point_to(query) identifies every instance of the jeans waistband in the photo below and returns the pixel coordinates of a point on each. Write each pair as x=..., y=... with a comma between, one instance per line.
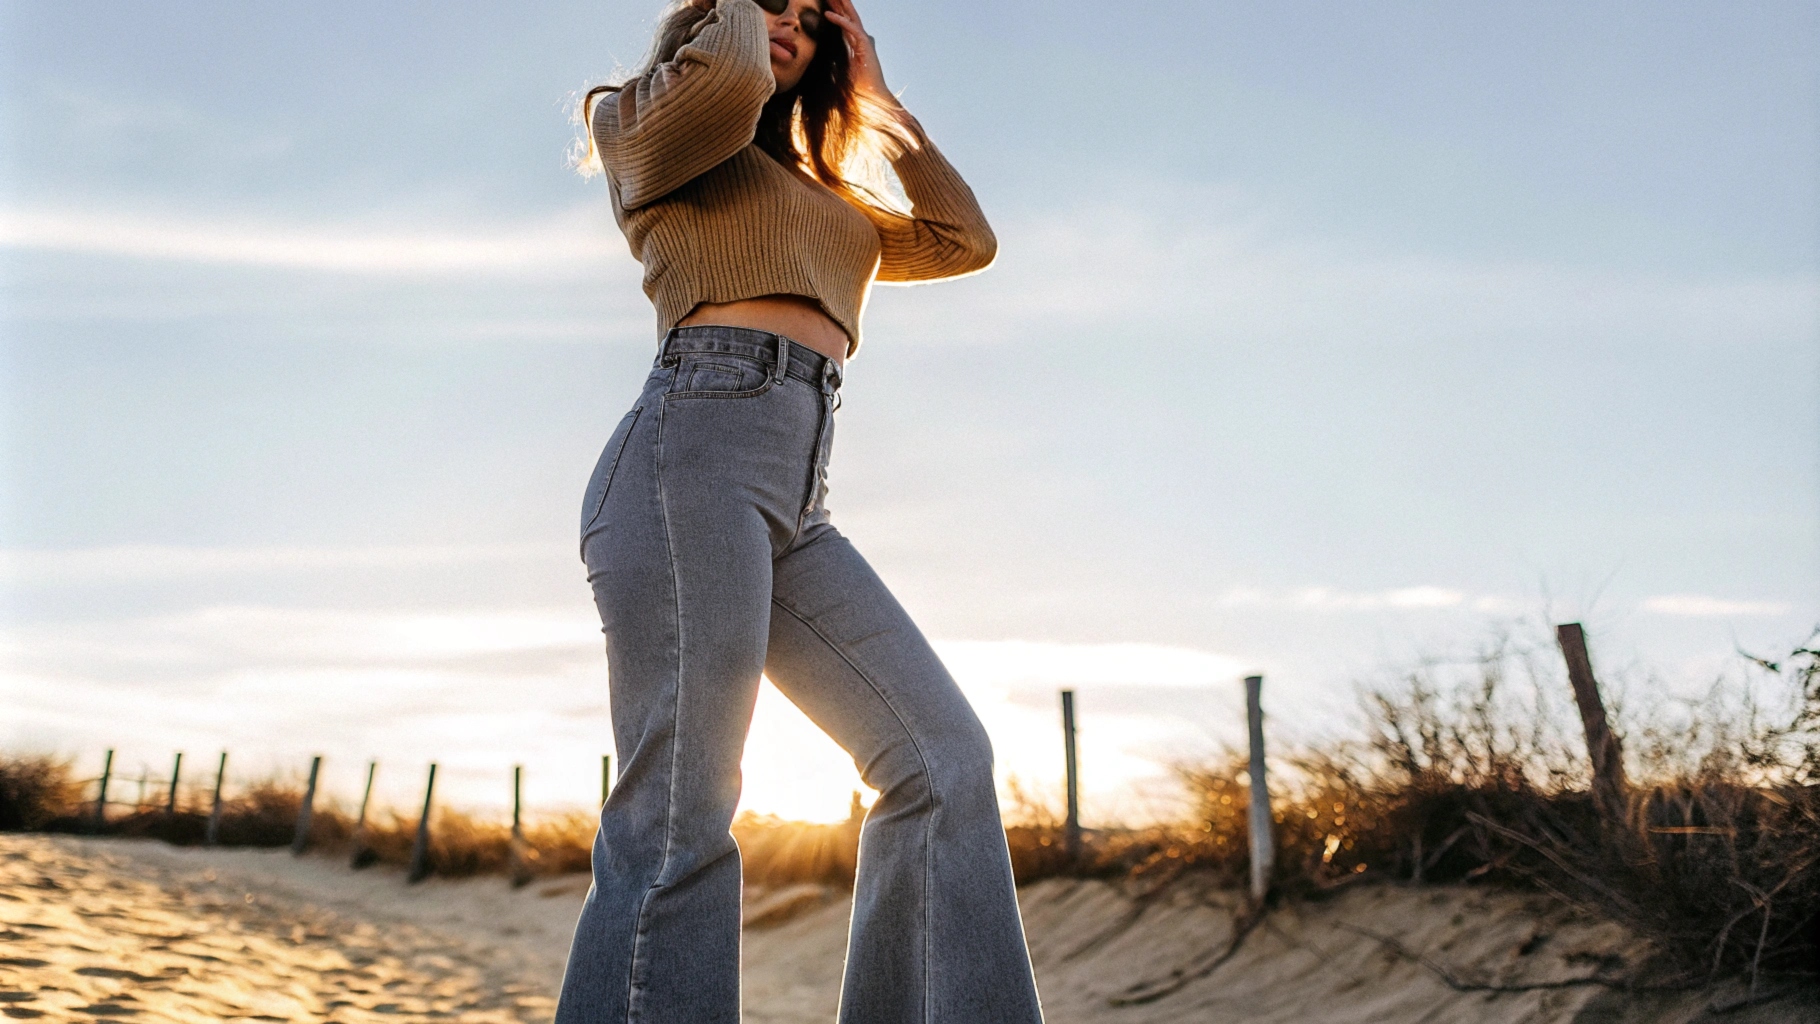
x=801, y=362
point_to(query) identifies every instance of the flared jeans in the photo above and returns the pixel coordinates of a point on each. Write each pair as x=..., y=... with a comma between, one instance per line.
x=712, y=560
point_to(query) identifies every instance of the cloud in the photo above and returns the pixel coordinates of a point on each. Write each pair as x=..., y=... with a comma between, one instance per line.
x=222, y=643
x=1206, y=260
x=573, y=241
x=1332, y=599
x=1020, y=662
x=1701, y=606
x=130, y=562
x=1178, y=257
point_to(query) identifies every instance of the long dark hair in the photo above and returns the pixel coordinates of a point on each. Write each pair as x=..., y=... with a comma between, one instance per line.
x=819, y=125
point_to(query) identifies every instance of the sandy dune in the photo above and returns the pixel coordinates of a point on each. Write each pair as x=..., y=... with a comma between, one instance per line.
x=99, y=930
x=93, y=935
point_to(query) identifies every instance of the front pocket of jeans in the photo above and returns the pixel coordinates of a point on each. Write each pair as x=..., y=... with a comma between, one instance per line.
x=721, y=377
x=602, y=480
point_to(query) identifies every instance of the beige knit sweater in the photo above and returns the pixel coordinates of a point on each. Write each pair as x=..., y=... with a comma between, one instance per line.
x=714, y=218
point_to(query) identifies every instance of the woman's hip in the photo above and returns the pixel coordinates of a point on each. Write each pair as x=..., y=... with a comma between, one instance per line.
x=732, y=423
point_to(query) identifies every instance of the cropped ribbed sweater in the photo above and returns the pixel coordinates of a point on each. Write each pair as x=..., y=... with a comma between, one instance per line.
x=714, y=218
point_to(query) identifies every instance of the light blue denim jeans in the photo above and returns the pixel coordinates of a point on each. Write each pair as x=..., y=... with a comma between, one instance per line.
x=712, y=560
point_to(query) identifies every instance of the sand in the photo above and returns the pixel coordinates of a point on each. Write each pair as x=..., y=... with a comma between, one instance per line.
x=88, y=931
x=137, y=931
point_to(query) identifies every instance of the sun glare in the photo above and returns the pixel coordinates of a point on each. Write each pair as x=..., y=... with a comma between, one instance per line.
x=792, y=769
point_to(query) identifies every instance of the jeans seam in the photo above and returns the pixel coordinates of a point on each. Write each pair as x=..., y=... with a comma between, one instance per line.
x=928, y=782
x=663, y=864
x=816, y=468
x=612, y=469
x=753, y=393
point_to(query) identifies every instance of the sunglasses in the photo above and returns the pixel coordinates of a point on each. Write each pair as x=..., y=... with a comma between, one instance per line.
x=811, y=20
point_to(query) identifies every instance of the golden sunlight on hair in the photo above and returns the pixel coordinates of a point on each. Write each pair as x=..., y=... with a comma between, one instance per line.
x=866, y=165
x=583, y=155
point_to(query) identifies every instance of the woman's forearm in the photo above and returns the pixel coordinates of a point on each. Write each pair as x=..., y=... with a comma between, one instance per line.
x=690, y=113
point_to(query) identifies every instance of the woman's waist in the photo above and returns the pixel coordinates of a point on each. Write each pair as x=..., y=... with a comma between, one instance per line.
x=760, y=348
x=799, y=318
x=696, y=294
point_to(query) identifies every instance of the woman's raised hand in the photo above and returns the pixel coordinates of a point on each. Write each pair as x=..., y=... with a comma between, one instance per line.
x=862, y=53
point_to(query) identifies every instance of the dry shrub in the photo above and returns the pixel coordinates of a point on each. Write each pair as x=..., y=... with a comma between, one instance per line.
x=35, y=791
x=1037, y=835
x=41, y=794
x=1440, y=743
x=264, y=814
x=1318, y=828
x=774, y=851
x=1034, y=832
x=1715, y=855
x=562, y=843
x=38, y=793
x=1478, y=770
x=464, y=844
x=777, y=852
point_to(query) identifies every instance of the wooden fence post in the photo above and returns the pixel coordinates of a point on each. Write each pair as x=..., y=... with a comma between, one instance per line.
x=521, y=863
x=170, y=803
x=107, y=771
x=1263, y=842
x=1072, y=833
x=1602, y=745
x=420, y=850
x=301, y=841
x=214, y=832
x=363, y=855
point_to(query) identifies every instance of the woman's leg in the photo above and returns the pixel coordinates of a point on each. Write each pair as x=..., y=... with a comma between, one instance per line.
x=695, y=496
x=936, y=937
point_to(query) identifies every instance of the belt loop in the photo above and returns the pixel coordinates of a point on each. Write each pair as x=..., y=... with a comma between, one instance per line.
x=663, y=346
x=783, y=359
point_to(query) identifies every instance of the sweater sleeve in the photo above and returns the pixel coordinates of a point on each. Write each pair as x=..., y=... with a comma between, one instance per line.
x=946, y=234
x=686, y=116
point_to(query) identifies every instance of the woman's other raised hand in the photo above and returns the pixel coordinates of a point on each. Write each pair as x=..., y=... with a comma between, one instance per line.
x=862, y=53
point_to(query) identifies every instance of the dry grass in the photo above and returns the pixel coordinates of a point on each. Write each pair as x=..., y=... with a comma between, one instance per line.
x=1713, y=858
x=38, y=793
x=1477, y=771
x=1471, y=771
x=35, y=791
x=777, y=852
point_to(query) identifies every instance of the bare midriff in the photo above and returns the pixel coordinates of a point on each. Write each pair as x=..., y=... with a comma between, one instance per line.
x=793, y=316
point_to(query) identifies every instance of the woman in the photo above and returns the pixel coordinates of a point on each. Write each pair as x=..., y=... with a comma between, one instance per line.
x=712, y=557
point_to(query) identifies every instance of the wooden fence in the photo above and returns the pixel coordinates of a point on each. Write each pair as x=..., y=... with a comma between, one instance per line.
x=1603, y=747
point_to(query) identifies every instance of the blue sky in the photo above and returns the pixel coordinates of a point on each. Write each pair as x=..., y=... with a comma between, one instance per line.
x=1323, y=336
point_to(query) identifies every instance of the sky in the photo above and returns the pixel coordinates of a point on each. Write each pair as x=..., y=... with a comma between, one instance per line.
x=1324, y=339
